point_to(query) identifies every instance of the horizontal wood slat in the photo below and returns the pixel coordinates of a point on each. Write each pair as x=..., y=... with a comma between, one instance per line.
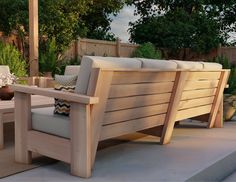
x=195, y=102
x=128, y=114
x=142, y=77
x=8, y=117
x=54, y=147
x=193, y=85
x=192, y=112
x=140, y=89
x=192, y=94
x=204, y=75
x=137, y=101
x=127, y=127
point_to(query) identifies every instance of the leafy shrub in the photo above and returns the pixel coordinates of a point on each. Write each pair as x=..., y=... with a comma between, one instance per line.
x=10, y=56
x=232, y=78
x=48, y=57
x=147, y=50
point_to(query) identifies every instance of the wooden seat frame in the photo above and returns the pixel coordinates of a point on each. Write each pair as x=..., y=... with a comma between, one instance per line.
x=118, y=102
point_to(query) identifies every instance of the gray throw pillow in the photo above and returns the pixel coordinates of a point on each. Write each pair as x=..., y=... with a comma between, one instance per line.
x=66, y=80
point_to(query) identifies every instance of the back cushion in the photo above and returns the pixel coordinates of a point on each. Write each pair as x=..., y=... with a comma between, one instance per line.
x=212, y=66
x=90, y=62
x=188, y=65
x=72, y=70
x=158, y=64
x=4, y=69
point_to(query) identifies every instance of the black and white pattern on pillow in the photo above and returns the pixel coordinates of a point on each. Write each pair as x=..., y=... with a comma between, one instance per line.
x=65, y=83
x=62, y=107
x=66, y=80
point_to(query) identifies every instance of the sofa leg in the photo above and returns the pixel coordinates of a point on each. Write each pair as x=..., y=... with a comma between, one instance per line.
x=219, y=121
x=80, y=140
x=1, y=132
x=22, y=125
x=173, y=107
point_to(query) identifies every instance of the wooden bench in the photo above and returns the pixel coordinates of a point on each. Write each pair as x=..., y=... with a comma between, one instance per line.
x=118, y=102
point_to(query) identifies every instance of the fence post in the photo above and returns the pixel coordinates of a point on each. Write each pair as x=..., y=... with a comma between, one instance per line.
x=219, y=50
x=77, y=47
x=118, y=45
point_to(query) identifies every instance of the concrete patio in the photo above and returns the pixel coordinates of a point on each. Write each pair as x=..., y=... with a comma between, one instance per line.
x=195, y=154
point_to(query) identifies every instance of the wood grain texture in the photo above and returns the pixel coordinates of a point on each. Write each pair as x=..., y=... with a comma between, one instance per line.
x=193, y=85
x=33, y=37
x=131, y=126
x=193, y=94
x=80, y=126
x=134, y=113
x=1, y=132
x=173, y=107
x=137, y=101
x=102, y=81
x=218, y=99
x=49, y=145
x=56, y=94
x=219, y=121
x=22, y=126
x=140, y=89
x=201, y=75
x=192, y=112
x=142, y=77
x=195, y=102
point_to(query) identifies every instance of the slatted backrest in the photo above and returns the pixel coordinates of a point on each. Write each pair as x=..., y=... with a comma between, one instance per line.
x=199, y=93
x=135, y=100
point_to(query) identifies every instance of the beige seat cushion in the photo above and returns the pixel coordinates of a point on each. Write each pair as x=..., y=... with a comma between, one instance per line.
x=188, y=65
x=89, y=62
x=212, y=66
x=72, y=70
x=4, y=69
x=44, y=120
x=158, y=64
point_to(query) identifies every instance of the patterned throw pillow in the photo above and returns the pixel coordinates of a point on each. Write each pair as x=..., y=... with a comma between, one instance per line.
x=65, y=83
x=61, y=106
x=66, y=80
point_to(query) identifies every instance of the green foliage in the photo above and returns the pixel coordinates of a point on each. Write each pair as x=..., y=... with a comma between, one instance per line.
x=100, y=34
x=48, y=57
x=10, y=56
x=198, y=24
x=13, y=13
x=60, y=20
x=147, y=50
x=232, y=78
x=98, y=20
x=63, y=20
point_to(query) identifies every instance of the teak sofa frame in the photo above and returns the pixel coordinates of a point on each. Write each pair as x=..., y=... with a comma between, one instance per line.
x=118, y=102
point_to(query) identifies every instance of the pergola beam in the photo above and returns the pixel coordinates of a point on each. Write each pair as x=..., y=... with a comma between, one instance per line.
x=33, y=37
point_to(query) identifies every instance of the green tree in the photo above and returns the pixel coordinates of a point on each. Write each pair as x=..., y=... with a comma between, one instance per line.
x=98, y=20
x=147, y=50
x=197, y=24
x=63, y=20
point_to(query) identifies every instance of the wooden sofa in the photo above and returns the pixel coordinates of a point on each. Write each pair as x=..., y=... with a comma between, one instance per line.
x=117, y=96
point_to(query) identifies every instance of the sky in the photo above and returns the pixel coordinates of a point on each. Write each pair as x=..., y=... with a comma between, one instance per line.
x=120, y=23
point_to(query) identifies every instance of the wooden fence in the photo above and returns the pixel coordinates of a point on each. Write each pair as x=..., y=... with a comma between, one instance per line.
x=116, y=48
x=93, y=47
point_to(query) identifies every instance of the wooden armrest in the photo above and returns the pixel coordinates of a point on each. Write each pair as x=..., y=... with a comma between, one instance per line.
x=84, y=99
